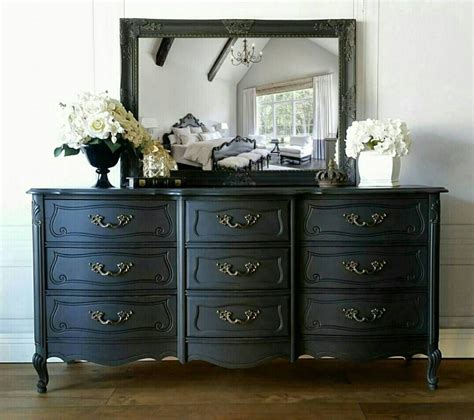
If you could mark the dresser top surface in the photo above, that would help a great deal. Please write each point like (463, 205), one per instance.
(216, 191)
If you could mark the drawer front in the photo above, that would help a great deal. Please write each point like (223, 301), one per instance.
(235, 220)
(238, 316)
(121, 269)
(232, 269)
(375, 314)
(364, 219)
(111, 317)
(92, 220)
(368, 267)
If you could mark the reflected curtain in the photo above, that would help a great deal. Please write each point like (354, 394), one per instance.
(325, 114)
(249, 122)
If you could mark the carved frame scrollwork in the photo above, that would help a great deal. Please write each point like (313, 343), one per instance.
(131, 30)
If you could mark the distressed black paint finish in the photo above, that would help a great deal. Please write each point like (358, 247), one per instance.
(237, 220)
(39, 363)
(131, 30)
(369, 267)
(238, 268)
(240, 290)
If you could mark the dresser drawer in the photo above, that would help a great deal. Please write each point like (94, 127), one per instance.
(242, 268)
(111, 317)
(364, 219)
(368, 267)
(238, 316)
(95, 220)
(113, 269)
(237, 220)
(369, 314)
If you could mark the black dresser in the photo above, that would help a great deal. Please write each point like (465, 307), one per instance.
(235, 276)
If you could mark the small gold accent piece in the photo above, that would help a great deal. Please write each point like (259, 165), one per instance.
(353, 267)
(226, 220)
(331, 177)
(353, 219)
(123, 268)
(226, 268)
(98, 220)
(353, 314)
(226, 315)
(98, 316)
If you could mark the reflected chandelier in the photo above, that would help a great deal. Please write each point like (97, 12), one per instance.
(245, 56)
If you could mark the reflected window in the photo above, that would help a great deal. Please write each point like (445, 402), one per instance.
(286, 113)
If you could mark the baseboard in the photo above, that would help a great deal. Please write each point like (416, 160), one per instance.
(16, 347)
(19, 347)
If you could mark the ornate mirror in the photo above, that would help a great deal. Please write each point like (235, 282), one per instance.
(242, 102)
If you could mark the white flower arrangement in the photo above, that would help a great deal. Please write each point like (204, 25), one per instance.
(96, 118)
(388, 137)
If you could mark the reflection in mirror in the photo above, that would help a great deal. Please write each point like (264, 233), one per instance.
(235, 103)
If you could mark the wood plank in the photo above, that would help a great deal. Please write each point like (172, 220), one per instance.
(221, 58)
(419, 411)
(307, 389)
(320, 411)
(163, 51)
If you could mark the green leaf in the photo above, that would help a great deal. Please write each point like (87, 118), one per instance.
(69, 151)
(58, 151)
(113, 146)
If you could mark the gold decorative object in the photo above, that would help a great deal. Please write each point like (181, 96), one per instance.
(353, 219)
(98, 316)
(353, 267)
(122, 269)
(353, 314)
(226, 268)
(226, 315)
(331, 177)
(98, 220)
(158, 163)
(226, 220)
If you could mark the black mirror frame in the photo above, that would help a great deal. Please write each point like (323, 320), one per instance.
(343, 29)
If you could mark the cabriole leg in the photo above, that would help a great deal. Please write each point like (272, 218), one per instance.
(39, 362)
(434, 360)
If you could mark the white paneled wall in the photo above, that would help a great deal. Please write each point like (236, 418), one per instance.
(414, 62)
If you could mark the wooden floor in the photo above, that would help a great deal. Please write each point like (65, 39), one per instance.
(309, 389)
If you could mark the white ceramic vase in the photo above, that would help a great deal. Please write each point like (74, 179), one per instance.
(378, 170)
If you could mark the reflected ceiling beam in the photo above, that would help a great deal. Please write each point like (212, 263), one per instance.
(221, 58)
(163, 51)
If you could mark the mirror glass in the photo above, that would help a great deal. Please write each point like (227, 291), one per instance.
(250, 103)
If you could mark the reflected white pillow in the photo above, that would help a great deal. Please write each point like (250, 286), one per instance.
(196, 129)
(206, 136)
(217, 135)
(173, 139)
(189, 138)
(207, 129)
(180, 131)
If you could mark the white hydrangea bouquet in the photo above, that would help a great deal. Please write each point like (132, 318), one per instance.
(379, 145)
(386, 137)
(97, 118)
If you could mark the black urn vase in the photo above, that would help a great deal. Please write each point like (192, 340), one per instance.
(101, 157)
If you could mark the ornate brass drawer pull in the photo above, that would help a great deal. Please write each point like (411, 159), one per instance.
(226, 315)
(98, 220)
(122, 269)
(226, 268)
(353, 219)
(98, 316)
(353, 267)
(353, 314)
(226, 220)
